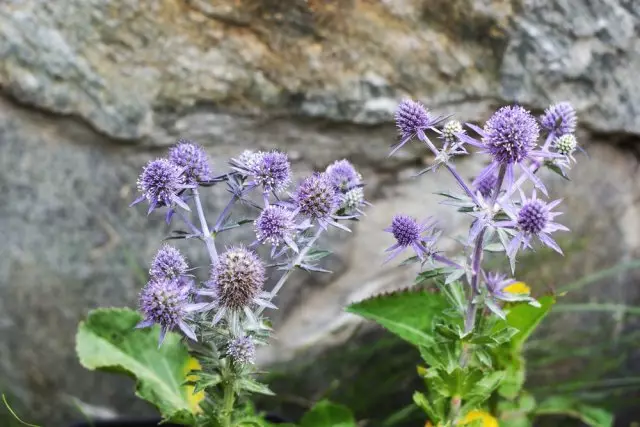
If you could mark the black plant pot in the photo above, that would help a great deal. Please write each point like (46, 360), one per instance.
(152, 422)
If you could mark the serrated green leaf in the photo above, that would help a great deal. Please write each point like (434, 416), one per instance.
(107, 340)
(525, 318)
(423, 403)
(408, 314)
(563, 405)
(252, 386)
(327, 414)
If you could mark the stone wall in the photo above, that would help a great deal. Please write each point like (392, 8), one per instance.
(91, 89)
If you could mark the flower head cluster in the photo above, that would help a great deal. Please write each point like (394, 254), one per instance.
(533, 218)
(160, 182)
(275, 225)
(408, 233)
(271, 170)
(242, 350)
(316, 198)
(450, 132)
(413, 119)
(343, 176)
(485, 184)
(193, 159)
(236, 282)
(165, 302)
(559, 119)
(168, 263)
(510, 136)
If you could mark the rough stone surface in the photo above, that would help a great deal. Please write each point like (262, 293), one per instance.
(92, 89)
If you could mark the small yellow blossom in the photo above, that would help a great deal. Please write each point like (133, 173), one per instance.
(487, 419)
(518, 288)
(193, 398)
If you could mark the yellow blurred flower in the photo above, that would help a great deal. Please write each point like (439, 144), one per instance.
(476, 415)
(518, 288)
(193, 398)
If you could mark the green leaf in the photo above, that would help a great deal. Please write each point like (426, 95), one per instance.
(422, 401)
(108, 341)
(252, 386)
(434, 273)
(327, 414)
(408, 314)
(514, 378)
(316, 254)
(561, 405)
(525, 318)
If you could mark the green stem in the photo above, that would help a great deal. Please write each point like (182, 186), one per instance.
(227, 403)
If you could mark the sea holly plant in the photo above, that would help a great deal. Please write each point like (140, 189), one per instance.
(191, 345)
(468, 319)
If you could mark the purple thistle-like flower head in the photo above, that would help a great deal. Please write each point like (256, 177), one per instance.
(485, 184)
(316, 197)
(237, 277)
(533, 217)
(343, 175)
(271, 170)
(274, 225)
(242, 350)
(409, 233)
(412, 117)
(405, 230)
(168, 264)
(510, 134)
(160, 181)
(192, 159)
(165, 302)
(560, 119)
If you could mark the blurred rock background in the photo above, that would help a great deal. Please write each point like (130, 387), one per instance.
(92, 89)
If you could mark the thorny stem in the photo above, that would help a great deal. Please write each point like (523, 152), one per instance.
(292, 267)
(470, 316)
(206, 234)
(227, 403)
(451, 169)
(223, 214)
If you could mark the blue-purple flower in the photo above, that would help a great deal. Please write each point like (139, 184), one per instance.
(242, 350)
(168, 264)
(275, 225)
(534, 218)
(271, 170)
(343, 175)
(192, 159)
(160, 182)
(236, 283)
(317, 199)
(166, 302)
(500, 288)
(413, 119)
(410, 234)
(510, 136)
(485, 184)
(559, 119)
